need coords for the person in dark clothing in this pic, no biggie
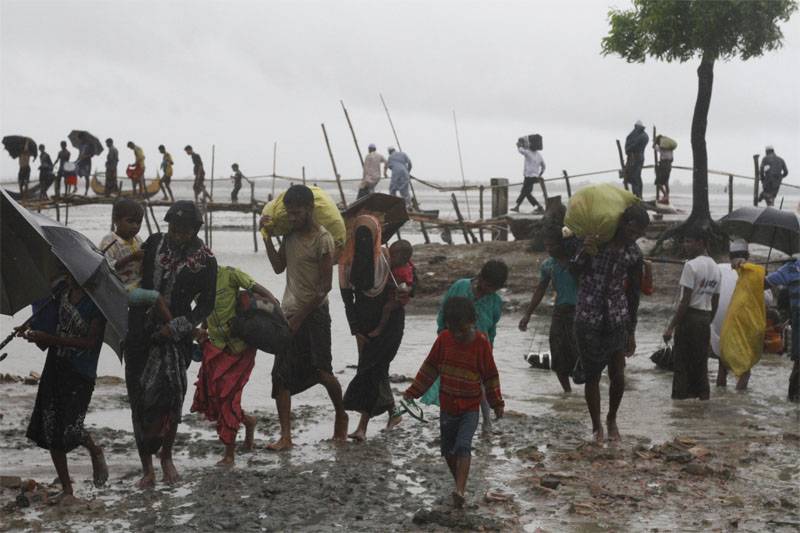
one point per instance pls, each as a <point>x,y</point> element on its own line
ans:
<point>62,157</point>
<point>609,284</point>
<point>83,165</point>
<point>635,144</point>
<point>46,176</point>
<point>166,170</point>
<point>184,271</point>
<point>112,160</point>
<point>366,287</point>
<point>773,170</point>
<point>199,174</point>
<point>237,178</point>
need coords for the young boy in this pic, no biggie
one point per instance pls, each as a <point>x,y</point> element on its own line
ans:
<point>237,178</point>
<point>482,292</point>
<point>700,283</point>
<point>555,269</point>
<point>123,247</point>
<point>403,276</point>
<point>462,358</point>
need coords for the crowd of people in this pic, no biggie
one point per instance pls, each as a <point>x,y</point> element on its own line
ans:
<point>182,303</point>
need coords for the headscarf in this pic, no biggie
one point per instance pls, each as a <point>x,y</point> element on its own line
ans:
<point>363,265</point>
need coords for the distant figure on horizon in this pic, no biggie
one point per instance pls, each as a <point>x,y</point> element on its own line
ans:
<point>635,143</point>
<point>400,165</point>
<point>62,157</point>
<point>24,175</point>
<point>199,174</point>
<point>666,148</point>
<point>533,170</point>
<point>372,171</point>
<point>83,166</point>
<point>112,160</point>
<point>773,170</point>
<point>136,171</point>
<point>166,172</point>
<point>46,176</point>
<point>237,178</point>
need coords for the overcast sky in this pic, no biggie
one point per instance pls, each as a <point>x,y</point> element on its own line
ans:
<point>242,75</point>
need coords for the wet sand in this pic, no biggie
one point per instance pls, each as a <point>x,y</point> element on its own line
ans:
<point>729,463</point>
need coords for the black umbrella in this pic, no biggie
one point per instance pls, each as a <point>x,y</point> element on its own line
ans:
<point>15,144</point>
<point>36,249</point>
<point>390,210</point>
<point>80,137</point>
<point>764,225</point>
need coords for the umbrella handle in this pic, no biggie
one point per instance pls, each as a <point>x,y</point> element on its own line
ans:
<point>15,333</point>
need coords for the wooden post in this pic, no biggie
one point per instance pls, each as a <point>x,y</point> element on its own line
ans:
<point>274,163</point>
<point>58,213</point>
<point>655,163</point>
<point>205,221</point>
<point>353,132</point>
<point>147,221</point>
<point>755,181</point>
<point>730,194</point>
<point>566,180</point>
<point>213,154</point>
<point>333,164</point>
<point>544,188</point>
<point>480,207</point>
<point>304,175</point>
<point>467,232</point>
<point>622,165</point>
<point>499,205</point>
<point>255,231</point>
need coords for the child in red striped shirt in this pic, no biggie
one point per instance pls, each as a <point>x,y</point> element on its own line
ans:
<point>463,358</point>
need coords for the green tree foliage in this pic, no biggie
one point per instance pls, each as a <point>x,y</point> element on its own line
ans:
<point>709,30</point>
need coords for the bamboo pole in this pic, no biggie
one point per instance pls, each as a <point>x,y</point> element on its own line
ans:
<point>414,201</point>
<point>333,164</point>
<point>353,132</point>
<point>255,231</point>
<point>304,175</point>
<point>274,163</point>
<point>655,162</point>
<point>566,180</point>
<point>730,194</point>
<point>755,180</point>
<point>480,204</point>
<point>622,165</point>
<point>66,213</point>
<point>461,164</point>
<point>467,232</point>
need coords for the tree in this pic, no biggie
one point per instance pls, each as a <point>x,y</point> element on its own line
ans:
<point>682,30</point>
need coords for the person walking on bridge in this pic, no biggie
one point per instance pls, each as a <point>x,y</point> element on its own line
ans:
<point>400,165</point>
<point>372,171</point>
<point>635,143</point>
<point>534,168</point>
<point>773,170</point>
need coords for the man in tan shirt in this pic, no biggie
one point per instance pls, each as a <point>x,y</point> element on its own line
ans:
<point>372,171</point>
<point>307,257</point>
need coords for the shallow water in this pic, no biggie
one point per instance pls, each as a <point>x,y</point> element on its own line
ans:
<point>647,411</point>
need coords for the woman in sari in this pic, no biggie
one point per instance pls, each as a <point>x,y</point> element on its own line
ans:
<point>366,287</point>
<point>183,270</point>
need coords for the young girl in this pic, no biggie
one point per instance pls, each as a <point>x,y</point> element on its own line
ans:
<point>67,383</point>
<point>462,358</point>
<point>123,247</point>
<point>555,270</point>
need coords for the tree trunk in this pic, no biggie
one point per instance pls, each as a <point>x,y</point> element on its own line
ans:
<point>705,81</point>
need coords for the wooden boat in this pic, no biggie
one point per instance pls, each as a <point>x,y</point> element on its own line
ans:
<point>151,189</point>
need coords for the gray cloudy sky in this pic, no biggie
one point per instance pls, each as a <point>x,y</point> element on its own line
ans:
<point>244,74</point>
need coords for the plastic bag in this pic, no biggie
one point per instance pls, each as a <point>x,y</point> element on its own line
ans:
<point>431,396</point>
<point>663,358</point>
<point>595,210</point>
<point>325,213</point>
<point>667,144</point>
<point>742,338</point>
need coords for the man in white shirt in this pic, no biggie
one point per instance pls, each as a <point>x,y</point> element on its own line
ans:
<point>372,171</point>
<point>534,168</point>
<point>700,286</point>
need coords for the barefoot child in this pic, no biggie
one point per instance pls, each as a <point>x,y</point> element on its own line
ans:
<point>227,364</point>
<point>403,277</point>
<point>462,358</point>
<point>67,383</point>
<point>555,270</point>
<point>123,247</point>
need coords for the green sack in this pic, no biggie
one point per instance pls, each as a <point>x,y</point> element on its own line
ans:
<point>667,144</point>
<point>431,396</point>
<point>596,209</point>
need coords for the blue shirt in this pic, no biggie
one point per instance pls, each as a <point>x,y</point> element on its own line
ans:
<point>488,308</point>
<point>788,276</point>
<point>400,165</point>
<point>562,279</point>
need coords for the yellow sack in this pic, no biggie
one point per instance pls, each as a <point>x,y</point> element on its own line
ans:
<point>742,338</point>
<point>325,213</point>
<point>595,210</point>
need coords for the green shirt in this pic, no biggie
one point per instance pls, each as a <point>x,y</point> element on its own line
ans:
<point>229,281</point>
<point>562,280</point>
<point>488,308</point>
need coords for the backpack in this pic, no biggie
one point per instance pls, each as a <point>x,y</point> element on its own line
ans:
<point>260,323</point>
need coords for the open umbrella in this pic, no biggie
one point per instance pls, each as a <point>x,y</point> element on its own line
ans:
<point>764,225</point>
<point>36,249</point>
<point>80,137</point>
<point>390,210</point>
<point>16,143</point>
